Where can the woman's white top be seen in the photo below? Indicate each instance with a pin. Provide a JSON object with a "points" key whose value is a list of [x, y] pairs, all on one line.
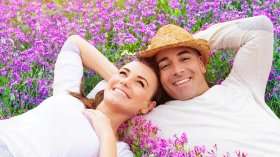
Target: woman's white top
{"points": [[57, 127]]}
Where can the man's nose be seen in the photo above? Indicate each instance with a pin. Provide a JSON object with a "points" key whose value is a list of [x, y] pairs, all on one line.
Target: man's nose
{"points": [[178, 70]]}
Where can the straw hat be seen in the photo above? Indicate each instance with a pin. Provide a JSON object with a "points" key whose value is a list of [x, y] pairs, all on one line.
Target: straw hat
{"points": [[171, 36]]}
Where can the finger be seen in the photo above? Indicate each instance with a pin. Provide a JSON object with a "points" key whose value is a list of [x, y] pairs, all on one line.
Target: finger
{"points": [[95, 113], [89, 115], [99, 113], [88, 112]]}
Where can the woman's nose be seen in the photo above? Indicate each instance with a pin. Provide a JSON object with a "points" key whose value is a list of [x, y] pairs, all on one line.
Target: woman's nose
{"points": [[125, 81]]}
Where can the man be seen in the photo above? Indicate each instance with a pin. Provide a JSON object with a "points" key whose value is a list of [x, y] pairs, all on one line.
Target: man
{"points": [[232, 115]]}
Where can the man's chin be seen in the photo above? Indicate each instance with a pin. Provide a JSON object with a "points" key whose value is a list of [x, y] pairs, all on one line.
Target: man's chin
{"points": [[181, 96]]}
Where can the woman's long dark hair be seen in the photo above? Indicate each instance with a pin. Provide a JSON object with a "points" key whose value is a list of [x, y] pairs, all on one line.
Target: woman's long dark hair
{"points": [[93, 103], [164, 97], [88, 102]]}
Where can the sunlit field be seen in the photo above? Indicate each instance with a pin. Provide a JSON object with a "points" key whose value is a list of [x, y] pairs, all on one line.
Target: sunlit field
{"points": [[32, 34]]}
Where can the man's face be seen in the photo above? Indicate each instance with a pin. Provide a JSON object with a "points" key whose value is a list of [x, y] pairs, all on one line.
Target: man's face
{"points": [[181, 72]]}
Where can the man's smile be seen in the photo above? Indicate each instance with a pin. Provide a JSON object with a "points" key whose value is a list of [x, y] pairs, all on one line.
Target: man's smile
{"points": [[182, 82]]}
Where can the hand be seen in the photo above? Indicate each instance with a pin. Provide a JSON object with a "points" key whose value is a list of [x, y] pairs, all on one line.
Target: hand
{"points": [[100, 122]]}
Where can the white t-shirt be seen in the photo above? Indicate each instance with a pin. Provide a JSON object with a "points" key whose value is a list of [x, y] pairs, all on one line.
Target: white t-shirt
{"points": [[57, 127], [232, 115]]}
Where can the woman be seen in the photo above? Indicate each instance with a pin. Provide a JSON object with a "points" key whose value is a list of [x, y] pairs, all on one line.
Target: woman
{"points": [[58, 128]]}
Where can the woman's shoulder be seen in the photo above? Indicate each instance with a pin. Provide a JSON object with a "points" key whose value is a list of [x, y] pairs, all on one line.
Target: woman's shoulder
{"points": [[63, 101]]}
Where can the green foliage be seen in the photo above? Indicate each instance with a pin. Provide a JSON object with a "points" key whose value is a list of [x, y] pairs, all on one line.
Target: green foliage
{"points": [[121, 2], [163, 4], [219, 67], [90, 82], [60, 2]]}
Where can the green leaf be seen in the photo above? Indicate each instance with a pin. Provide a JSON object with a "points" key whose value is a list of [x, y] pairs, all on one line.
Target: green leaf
{"points": [[120, 2]]}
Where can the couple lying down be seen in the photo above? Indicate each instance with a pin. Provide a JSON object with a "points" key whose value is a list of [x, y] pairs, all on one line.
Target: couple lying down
{"points": [[171, 71]]}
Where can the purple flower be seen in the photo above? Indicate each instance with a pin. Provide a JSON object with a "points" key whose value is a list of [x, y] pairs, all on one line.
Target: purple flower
{"points": [[2, 89], [278, 78], [26, 97]]}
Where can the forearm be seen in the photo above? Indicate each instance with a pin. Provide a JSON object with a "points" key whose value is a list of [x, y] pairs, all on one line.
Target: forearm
{"points": [[234, 34], [108, 146], [253, 37], [93, 59]]}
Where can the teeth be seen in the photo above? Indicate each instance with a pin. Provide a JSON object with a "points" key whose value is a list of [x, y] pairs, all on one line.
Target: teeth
{"points": [[120, 92], [182, 82]]}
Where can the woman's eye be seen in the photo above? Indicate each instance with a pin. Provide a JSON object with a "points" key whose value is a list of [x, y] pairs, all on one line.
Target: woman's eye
{"points": [[122, 73], [140, 83]]}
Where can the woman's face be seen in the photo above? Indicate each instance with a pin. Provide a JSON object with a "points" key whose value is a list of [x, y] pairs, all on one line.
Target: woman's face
{"points": [[127, 91]]}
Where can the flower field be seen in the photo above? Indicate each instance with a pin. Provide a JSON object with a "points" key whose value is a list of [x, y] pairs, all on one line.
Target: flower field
{"points": [[33, 32]]}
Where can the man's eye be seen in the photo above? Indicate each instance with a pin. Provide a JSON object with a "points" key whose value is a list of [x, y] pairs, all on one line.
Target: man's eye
{"points": [[140, 83], [163, 66], [184, 59]]}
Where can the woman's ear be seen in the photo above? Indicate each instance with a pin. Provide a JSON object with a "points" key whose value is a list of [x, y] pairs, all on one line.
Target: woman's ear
{"points": [[148, 107]]}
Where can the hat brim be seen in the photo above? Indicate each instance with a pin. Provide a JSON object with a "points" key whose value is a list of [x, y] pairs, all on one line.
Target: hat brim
{"points": [[201, 45]]}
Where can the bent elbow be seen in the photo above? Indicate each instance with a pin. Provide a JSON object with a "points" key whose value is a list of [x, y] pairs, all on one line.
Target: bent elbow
{"points": [[73, 37], [266, 23]]}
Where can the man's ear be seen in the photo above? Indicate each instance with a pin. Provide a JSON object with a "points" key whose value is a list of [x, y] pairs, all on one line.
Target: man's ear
{"points": [[202, 66], [150, 105]]}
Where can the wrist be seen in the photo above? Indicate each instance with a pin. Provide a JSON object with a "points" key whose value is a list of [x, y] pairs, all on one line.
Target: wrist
{"points": [[106, 135], [109, 138]]}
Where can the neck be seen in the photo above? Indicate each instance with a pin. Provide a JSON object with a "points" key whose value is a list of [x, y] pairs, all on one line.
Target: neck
{"points": [[204, 88], [116, 118]]}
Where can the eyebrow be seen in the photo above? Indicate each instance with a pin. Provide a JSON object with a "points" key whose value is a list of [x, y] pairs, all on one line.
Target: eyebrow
{"points": [[161, 60], [141, 77], [190, 50], [183, 52], [179, 54]]}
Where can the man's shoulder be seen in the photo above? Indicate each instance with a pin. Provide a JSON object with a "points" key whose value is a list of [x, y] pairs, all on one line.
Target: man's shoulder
{"points": [[170, 104], [166, 108]]}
